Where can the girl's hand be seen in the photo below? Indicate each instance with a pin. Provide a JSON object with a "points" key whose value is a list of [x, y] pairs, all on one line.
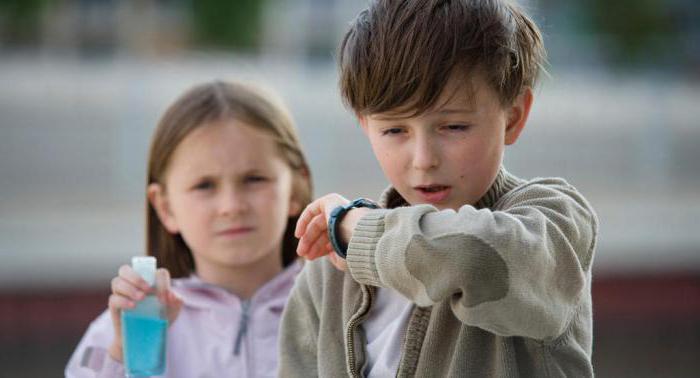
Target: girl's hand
{"points": [[312, 228], [127, 289]]}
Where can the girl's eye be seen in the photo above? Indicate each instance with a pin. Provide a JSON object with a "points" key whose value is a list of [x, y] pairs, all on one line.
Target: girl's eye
{"points": [[204, 185], [392, 131], [255, 179]]}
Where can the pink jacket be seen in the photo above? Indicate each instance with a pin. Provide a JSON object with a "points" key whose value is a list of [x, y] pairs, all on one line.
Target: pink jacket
{"points": [[215, 335]]}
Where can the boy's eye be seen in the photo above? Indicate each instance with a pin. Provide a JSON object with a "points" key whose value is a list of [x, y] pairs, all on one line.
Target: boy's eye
{"points": [[457, 127], [392, 131]]}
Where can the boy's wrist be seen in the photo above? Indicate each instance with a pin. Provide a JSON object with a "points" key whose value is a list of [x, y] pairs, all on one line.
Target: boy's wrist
{"points": [[342, 222], [347, 225]]}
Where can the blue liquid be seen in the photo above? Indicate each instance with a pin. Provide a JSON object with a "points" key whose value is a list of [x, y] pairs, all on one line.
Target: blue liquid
{"points": [[144, 344]]}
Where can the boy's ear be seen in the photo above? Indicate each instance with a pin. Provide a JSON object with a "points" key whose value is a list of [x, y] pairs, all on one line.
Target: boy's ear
{"points": [[517, 116], [159, 200]]}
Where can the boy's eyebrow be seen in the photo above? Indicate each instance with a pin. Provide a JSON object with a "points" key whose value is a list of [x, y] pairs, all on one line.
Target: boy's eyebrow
{"points": [[456, 110], [398, 117]]}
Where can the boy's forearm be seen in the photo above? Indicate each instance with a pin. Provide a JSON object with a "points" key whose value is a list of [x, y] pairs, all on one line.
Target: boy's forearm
{"points": [[530, 260]]}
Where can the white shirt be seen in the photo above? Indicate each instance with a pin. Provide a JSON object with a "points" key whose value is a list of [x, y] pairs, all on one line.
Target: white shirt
{"points": [[385, 328]]}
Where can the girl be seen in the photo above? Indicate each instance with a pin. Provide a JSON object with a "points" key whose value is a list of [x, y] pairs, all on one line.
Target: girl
{"points": [[227, 180]]}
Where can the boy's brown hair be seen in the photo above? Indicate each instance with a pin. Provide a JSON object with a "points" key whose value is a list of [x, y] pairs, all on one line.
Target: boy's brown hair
{"points": [[400, 53], [198, 107]]}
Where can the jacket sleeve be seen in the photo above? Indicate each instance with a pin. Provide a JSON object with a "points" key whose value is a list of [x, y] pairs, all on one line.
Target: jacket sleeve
{"points": [[298, 341], [91, 359], [517, 270]]}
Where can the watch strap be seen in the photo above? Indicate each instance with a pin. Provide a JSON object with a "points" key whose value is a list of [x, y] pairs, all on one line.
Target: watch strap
{"points": [[334, 221]]}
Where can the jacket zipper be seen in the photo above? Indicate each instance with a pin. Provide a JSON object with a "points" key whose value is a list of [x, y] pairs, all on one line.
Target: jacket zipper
{"points": [[242, 327], [352, 325]]}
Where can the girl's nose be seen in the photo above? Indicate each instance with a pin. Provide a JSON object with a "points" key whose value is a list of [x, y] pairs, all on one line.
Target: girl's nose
{"points": [[232, 202], [425, 153]]}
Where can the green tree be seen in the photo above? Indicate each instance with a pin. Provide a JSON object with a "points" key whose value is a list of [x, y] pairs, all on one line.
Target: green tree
{"points": [[19, 20], [228, 23]]}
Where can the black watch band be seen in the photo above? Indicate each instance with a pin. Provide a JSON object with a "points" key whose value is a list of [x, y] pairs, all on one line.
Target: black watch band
{"points": [[334, 220]]}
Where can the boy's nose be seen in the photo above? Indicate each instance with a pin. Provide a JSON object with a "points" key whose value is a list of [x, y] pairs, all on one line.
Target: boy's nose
{"points": [[425, 155]]}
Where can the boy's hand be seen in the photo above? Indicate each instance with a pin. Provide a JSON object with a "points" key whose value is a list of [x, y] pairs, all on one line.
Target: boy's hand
{"points": [[312, 229], [127, 289]]}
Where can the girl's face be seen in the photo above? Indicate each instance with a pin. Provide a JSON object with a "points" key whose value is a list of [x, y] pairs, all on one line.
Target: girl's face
{"points": [[229, 194]]}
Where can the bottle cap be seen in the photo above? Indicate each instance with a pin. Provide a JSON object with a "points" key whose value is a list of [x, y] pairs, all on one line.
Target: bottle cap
{"points": [[145, 266]]}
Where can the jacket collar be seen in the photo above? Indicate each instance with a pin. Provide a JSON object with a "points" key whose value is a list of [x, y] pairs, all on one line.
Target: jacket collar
{"points": [[199, 294], [503, 183]]}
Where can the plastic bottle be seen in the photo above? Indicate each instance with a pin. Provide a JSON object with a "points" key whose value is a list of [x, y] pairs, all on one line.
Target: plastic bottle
{"points": [[144, 327]]}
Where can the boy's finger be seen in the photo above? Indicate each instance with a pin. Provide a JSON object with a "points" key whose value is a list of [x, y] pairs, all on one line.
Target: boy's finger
{"points": [[306, 216], [316, 228], [319, 248], [338, 262], [311, 235], [130, 275], [304, 246]]}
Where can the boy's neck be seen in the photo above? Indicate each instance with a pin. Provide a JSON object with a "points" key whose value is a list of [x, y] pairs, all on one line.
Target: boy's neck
{"points": [[503, 183], [243, 281]]}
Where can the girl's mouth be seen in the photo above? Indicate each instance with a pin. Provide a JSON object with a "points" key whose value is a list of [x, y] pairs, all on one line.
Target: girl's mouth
{"points": [[235, 231]]}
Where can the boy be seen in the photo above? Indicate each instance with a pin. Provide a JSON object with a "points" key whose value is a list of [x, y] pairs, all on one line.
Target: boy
{"points": [[465, 270]]}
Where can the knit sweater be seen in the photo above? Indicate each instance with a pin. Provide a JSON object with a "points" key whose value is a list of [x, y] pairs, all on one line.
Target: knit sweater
{"points": [[501, 288]]}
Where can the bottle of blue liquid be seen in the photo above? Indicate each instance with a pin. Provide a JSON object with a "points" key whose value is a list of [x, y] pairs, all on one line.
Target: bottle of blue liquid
{"points": [[144, 328]]}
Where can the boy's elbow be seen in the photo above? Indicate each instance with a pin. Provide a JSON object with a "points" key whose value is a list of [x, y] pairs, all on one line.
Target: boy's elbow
{"points": [[563, 306]]}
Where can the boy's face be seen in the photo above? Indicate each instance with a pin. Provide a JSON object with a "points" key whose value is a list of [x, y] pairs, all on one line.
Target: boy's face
{"points": [[449, 155]]}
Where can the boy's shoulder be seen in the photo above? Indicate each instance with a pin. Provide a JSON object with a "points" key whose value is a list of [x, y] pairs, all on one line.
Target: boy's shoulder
{"points": [[546, 189]]}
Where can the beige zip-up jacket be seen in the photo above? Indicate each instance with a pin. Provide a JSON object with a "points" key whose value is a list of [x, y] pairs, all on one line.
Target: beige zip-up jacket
{"points": [[501, 289]]}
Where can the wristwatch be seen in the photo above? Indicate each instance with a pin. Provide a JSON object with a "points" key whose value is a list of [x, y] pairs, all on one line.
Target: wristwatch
{"points": [[334, 220]]}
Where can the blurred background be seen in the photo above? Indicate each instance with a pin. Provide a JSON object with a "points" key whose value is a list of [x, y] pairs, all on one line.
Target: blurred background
{"points": [[83, 83]]}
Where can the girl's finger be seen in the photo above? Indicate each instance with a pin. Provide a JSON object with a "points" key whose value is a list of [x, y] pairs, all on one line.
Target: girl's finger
{"points": [[174, 300], [117, 303], [126, 289], [162, 280], [129, 274], [173, 305]]}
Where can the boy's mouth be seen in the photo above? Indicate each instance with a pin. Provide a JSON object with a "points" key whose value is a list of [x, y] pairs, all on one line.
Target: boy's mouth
{"points": [[433, 193]]}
